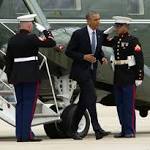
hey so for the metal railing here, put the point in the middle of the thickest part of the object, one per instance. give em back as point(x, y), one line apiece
point(78, 21)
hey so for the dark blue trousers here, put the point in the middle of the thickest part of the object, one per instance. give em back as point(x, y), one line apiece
point(26, 94)
point(125, 101)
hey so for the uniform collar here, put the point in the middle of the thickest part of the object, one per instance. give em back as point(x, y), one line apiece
point(24, 31)
point(124, 35)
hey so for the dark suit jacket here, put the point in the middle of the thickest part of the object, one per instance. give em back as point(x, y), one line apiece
point(78, 46)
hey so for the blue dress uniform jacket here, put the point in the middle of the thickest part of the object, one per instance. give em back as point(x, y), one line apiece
point(78, 46)
point(22, 45)
point(124, 46)
point(24, 74)
point(125, 75)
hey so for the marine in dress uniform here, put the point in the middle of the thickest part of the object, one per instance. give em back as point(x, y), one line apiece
point(128, 73)
point(85, 48)
point(22, 70)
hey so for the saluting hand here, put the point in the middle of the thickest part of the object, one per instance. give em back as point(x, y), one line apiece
point(90, 58)
point(39, 27)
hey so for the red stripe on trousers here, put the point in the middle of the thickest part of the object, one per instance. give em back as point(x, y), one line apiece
point(34, 104)
point(133, 108)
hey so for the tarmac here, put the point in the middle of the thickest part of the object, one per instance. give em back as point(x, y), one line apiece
point(109, 121)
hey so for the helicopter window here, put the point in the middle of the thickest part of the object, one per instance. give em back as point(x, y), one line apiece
point(19, 7)
point(60, 4)
point(135, 7)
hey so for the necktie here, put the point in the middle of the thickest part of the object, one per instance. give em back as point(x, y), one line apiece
point(93, 46)
point(93, 43)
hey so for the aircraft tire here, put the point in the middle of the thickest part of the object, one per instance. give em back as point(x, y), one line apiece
point(67, 117)
point(54, 130)
point(143, 112)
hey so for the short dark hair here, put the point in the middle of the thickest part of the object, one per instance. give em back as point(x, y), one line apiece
point(91, 13)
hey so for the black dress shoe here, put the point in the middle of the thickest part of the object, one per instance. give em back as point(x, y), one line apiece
point(105, 133)
point(101, 133)
point(119, 135)
point(76, 136)
point(98, 135)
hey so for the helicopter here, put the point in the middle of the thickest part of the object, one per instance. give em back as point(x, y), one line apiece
point(63, 18)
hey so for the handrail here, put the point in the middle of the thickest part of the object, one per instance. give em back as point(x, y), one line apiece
point(77, 21)
point(50, 79)
point(4, 83)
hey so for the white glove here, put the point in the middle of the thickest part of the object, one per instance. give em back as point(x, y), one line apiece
point(138, 82)
point(39, 27)
point(112, 61)
point(109, 30)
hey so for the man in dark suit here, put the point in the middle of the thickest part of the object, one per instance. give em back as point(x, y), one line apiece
point(85, 50)
point(22, 68)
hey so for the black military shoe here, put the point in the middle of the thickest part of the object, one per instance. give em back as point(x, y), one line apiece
point(19, 140)
point(129, 135)
point(31, 140)
point(76, 136)
point(119, 135)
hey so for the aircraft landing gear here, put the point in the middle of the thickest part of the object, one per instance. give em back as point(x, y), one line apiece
point(54, 130)
point(67, 117)
point(63, 129)
point(143, 112)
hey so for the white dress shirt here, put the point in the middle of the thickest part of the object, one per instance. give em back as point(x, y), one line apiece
point(90, 31)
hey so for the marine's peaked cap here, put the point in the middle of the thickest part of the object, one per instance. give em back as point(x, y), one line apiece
point(26, 18)
point(121, 19)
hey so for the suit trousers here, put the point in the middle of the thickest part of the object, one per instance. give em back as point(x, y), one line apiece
point(87, 100)
point(26, 94)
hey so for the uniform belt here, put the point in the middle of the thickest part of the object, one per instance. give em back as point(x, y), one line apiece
point(120, 62)
point(24, 59)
